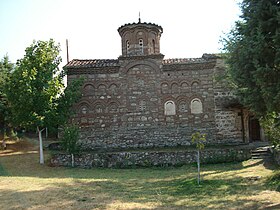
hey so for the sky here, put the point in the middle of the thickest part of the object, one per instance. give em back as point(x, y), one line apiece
point(190, 27)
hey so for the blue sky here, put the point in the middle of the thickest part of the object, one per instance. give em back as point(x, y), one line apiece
point(190, 27)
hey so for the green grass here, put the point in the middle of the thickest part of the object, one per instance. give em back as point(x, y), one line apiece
point(25, 184)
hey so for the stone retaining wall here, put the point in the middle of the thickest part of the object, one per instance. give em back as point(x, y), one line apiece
point(276, 155)
point(149, 158)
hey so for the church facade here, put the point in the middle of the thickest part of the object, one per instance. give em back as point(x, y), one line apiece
point(142, 100)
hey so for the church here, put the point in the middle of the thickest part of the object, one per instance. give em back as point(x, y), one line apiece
point(141, 100)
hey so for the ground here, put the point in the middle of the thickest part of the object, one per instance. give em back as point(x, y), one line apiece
point(25, 184)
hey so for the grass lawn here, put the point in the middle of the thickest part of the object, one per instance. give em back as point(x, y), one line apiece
point(25, 184)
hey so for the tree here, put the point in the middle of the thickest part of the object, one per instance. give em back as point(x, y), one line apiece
point(198, 139)
point(6, 68)
point(36, 90)
point(253, 57)
point(70, 139)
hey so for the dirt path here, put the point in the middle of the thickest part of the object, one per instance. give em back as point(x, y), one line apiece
point(19, 146)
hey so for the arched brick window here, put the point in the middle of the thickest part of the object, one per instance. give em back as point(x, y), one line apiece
point(141, 45)
point(164, 88)
point(84, 108)
point(89, 89)
point(184, 87)
point(182, 107)
point(195, 85)
point(127, 46)
point(98, 108)
point(196, 106)
point(113, 89)
point(174, 88)
point(113, 108)
point(101, 89)
point(169, 108)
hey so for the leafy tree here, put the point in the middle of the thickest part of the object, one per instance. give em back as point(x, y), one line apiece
point(36, 90)
point(253, 56)
point(198, 139)
point(70, 139)
point(6, 68)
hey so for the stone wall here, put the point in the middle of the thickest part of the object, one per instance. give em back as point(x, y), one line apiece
point(150, 158)
point(276, 156)
point(145, 101)
point(228, 119)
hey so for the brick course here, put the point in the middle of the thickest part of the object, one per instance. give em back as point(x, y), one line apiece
point(142, 100)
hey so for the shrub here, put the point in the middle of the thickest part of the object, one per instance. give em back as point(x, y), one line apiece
point(70, 139)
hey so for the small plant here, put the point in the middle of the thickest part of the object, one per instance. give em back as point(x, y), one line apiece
point(274, 180)
point(70, 139)
point(198, 139)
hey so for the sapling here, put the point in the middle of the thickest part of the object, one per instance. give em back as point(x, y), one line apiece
point(198, 139)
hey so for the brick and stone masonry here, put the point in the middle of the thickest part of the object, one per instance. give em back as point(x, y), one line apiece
point(142, 100)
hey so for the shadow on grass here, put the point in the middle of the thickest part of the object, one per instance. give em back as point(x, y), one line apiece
point(175, 193)
point(164, 188)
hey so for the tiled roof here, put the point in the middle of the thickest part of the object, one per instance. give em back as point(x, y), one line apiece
point(140, 24)
point(183, 60)
point(92, 63)
point(205, 58)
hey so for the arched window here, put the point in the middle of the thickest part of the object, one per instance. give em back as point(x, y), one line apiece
point(98, 108)
point(184, 87)
point(101, 89)
point(169, 108)
point(113, 108)
point(141, 45)
point(164, 88)
point(84, 108)
point(89, 89)
point(196, 106)
point(182, 106)
point(174, 88)
point(195, 85)
point(154, 46)
point(113, 88)
point(127, 46)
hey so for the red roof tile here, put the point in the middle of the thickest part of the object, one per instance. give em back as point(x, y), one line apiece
point(183, 60)
point(92, 63)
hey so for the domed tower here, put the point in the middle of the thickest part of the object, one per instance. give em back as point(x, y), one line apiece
point(140, 38)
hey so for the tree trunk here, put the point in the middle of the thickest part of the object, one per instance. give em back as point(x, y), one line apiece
point(46, 133)
point(72, 156)
point(198, 167)
point(41, 145)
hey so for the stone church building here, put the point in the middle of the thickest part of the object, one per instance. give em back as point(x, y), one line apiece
point(142, 100)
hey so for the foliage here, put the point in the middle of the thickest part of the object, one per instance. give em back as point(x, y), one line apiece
point(271, 124)
point(199, 139)
point(37, 93)
point(36, 85)
point(70, 139)
point(70, 96)
point(6, 68)
point(274, 180)
point(253, 56)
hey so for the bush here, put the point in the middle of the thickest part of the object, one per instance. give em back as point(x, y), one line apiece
point(274, 181)
point(70, 139)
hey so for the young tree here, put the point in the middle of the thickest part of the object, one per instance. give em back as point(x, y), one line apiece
point(198, 139)
point(253, 56)
point(36, 90)
point(6, 68)
point(70, 139)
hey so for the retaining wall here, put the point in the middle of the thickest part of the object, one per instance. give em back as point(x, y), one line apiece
point(149, 158)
